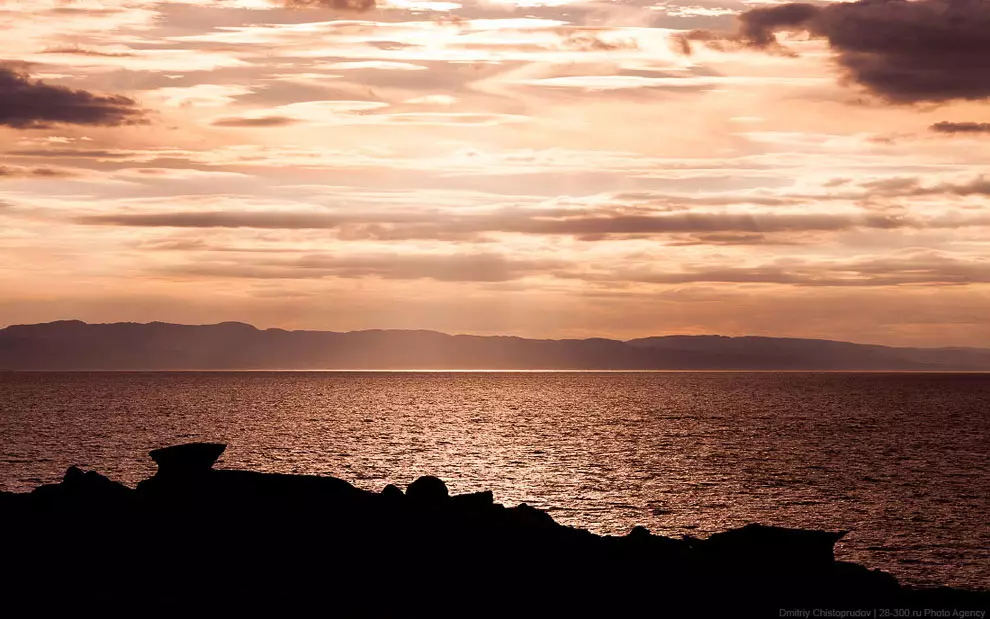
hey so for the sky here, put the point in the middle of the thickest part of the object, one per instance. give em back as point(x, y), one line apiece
point(542, 168)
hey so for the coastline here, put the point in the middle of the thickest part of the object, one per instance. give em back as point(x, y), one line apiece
point(194, 535)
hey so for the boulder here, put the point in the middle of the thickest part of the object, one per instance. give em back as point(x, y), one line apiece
point(639, 533)
point(392, 492)
point(428, 490)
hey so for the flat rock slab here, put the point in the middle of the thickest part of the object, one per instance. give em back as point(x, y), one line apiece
point(190, 458)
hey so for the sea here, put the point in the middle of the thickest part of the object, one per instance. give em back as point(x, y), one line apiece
point(899, 460)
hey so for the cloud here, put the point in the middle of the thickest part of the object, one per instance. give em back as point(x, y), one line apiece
point(758, 27)
point(255, 121)
point(19, 172)
point(731, 238)
point(967, 127)
point(912, 186)
point(337, 5)
point(217, 219)
point(461, 267)
point(692, 10)
point(381, 65)
point(588, 40)
point(595, 224)
point(622, 224)
point(911, 267)
point(904, 51)
point(84, 51)
point(27, 104)
point(71, 153)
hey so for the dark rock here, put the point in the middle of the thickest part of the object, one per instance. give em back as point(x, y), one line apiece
point(529, 516)
point(428, 490)
point(245, 543)
point(82, 491)
point(188, 459)
point(73, 476)
point(874, 580)
point(781, 546)
point(10, 501)
point(474, 501)
point(294, 490)
point(639, 533)
point(392, 492)
point(93, 485)
point(232, 491)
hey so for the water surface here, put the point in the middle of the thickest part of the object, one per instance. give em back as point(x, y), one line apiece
point(899, 459)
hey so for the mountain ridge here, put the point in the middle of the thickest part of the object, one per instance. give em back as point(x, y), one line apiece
point(77, 345)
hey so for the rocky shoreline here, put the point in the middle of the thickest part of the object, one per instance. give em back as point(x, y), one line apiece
point(202, 541)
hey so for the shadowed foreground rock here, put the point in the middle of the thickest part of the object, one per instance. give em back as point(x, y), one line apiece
point(201, 541)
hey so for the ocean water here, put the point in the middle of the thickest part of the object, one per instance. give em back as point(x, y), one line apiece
point(900, 460)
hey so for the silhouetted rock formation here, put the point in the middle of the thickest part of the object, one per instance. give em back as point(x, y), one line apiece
point(188, 459)
point(201, 541)
point(428, 490)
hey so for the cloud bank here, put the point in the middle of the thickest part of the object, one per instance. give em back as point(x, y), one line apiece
point(337, 5)
point(904, 51)
point(29, 104)
point(967, 127)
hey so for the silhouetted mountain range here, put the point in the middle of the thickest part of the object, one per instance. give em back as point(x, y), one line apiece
point(75, 345)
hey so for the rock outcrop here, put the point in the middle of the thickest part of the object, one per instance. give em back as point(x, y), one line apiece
point(188, 459)
point(200, 541)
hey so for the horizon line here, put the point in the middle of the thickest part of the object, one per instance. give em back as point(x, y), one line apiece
point(485, 371)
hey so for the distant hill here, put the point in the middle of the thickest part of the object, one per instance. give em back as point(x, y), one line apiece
point(75, 345)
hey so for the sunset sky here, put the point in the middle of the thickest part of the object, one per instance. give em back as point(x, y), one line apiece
point(543, 168)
